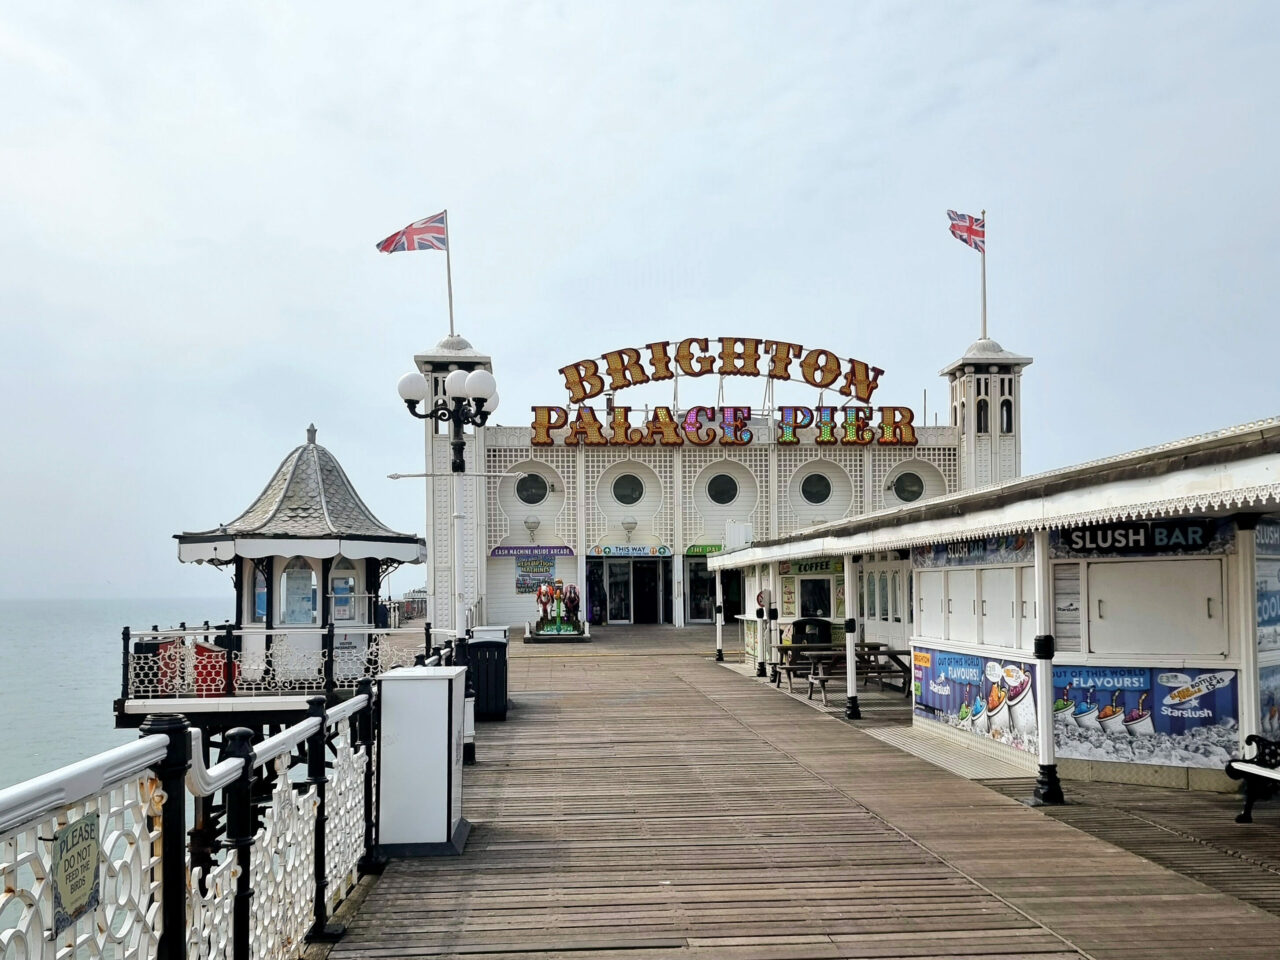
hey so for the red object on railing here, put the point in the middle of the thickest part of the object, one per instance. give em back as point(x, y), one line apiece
point(211, 670)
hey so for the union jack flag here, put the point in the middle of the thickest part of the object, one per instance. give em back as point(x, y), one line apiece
point(970, 230)
point(428, 234)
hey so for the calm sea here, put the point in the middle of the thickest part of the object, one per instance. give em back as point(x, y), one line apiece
point(60, 673)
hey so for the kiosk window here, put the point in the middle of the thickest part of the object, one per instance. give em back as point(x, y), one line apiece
point(815, 598)
point(884, 596)
point(871, 596)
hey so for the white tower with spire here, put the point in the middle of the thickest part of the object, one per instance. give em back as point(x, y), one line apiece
point(986, 410)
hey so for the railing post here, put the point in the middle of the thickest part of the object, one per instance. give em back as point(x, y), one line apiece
point(328, 660)
point(125, 643)
point(427, 647)
point(231, 643)
point(371, 862)
point(239, 836)
point(321, 929)
point(172, 774)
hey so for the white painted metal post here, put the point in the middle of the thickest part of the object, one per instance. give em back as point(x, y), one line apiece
point(851, 708)
point(459, 531)
point(1048, 787)
point(762, 624)
point(1247, 618)
point(719, 619)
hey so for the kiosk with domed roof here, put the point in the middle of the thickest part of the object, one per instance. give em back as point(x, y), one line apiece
point(308, 559)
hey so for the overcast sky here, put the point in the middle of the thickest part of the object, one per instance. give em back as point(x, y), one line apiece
point(190, 195)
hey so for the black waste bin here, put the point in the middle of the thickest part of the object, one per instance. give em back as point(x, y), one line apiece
point(487, 671)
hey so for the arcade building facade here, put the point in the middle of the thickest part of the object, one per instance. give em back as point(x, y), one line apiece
point(629, 501)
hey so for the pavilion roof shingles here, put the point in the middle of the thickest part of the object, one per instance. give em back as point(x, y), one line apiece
point(309, 496)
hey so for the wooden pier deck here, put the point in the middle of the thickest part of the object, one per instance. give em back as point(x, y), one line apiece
point(643, 801)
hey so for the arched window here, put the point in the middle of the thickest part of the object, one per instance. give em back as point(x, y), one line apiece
point(342, 590)
point(884, 596)
point(984, 424)
point(962, 418)
point(298, 590)
point(259, 595)
point(871, 596)
point(893, 598)
point(1006, 416)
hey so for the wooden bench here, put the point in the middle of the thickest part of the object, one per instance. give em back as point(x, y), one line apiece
point(1260, 773)
point(790, 670)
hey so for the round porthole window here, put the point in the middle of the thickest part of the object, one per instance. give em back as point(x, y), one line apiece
point(531, 489)
point(628, 489)
point(908, 487)
point(722, 489)
point(815, 488)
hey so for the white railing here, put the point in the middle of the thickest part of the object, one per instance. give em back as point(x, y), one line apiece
point(118, 791)
point(264, 869)
point(224, 661)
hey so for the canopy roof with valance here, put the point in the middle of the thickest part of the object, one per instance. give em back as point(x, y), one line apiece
point(309, 508)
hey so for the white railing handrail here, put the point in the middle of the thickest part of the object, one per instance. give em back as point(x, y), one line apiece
point(345, 709)
point(42, 795)
point(256, 630)
point(203, 781)
point(284, 741)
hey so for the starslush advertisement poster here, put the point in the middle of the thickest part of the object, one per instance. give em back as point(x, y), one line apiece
point(1269, 691)
point(1175, 717)
point(983, 696)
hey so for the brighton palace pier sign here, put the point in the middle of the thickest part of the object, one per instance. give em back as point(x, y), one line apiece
point(854, 424)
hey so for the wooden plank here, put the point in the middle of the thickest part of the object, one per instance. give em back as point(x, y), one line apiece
point(639, 804)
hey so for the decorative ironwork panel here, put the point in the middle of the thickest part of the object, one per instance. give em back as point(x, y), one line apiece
point(209, 916)
point(344, 809)
point(126, 925)
point(282, 870)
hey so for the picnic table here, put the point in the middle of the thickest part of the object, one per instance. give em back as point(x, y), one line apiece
point(877, 660)
point(791, 659)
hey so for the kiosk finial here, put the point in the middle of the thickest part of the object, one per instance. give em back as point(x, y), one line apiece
point(311, 433)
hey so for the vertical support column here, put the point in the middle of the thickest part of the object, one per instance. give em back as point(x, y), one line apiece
point(239, 838)
point(719, 619)
point(370, 861)
point(775, 585)
point(1246, 606)
point(231, 666)
point(1048, 787)
point(327, 666)
point(761, 624)
point(125, 644)
point(321, 929)
point(172, 774)
point(851, 709)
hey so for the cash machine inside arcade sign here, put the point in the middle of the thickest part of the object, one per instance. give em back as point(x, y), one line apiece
point(856, 423)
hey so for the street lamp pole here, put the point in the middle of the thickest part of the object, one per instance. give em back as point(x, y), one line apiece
point(469, 400)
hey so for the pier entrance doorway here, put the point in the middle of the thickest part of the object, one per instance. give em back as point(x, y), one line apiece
point(629, 591)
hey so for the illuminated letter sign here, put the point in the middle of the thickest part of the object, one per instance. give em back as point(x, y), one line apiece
point(846, 425)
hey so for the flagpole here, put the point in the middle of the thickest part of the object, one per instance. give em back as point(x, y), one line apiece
point(984, 279)
point(448, 272)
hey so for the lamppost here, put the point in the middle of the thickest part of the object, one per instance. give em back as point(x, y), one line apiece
point(470, 397)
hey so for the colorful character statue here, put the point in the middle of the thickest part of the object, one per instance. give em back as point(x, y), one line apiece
point(544, 596)
point(572, 602)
